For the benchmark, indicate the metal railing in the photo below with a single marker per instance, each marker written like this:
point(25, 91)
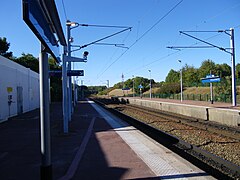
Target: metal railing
point(227, 98)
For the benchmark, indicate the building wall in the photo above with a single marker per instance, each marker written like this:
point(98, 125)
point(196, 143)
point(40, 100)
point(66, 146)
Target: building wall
point(20, 85)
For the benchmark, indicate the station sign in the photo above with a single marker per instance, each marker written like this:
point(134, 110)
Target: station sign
point(140, 86)
point(58, 73)
point(75, 73)
point(211, 78)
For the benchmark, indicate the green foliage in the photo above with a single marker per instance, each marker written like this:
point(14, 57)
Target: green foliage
point(172, 77)
point(128, 83)
point(96, 89)
point(223, 87)
point(223, 70)
point(238, 70)
point(206, 67)
point(105, 91)
point(55, 81)
point(4, 46)
point(28, 61)
point(118, 85)
point(158, 84)
point(190, 75)
point(170, 88)
point(141, 81)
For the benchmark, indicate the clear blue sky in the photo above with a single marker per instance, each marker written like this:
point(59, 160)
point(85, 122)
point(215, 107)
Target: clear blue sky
point(149, 52)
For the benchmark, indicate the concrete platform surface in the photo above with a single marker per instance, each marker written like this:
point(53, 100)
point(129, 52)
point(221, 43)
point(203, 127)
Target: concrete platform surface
point(98, 146)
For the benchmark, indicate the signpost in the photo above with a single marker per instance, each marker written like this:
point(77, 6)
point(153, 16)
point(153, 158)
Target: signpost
point(42, 18)
point(210, 79)
point(140, 87)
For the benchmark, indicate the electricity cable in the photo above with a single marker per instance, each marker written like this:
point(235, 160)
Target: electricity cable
point(144, 34)
point(64, 10)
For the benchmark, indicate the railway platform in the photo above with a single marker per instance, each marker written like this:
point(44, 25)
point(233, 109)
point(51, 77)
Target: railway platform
point(222, 105)
point(98, 146)
point(218, 112)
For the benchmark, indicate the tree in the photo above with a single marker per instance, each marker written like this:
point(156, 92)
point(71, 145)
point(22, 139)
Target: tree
point(206, 67)
point(238, 70)
point(118, 85)
point(190, 75)
point(28, 61)
point(4, 46)
point(170, 88)
point(172, 77)
point(55, 81)
point(223, 70)
point(223, 88)
point(141, 81)
point(128, 83)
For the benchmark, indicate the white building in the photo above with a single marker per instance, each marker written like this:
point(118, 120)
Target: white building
point(19, 89)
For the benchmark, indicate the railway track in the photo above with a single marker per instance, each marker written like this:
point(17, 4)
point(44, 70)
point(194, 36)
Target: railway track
point(211, 143)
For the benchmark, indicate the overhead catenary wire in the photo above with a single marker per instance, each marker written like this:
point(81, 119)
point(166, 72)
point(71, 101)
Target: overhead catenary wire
point(143, 35)
point(210, 44)
point(94, 42)
point(64, 10)
point(166, 56)
point(180, 50)
point(123, 41)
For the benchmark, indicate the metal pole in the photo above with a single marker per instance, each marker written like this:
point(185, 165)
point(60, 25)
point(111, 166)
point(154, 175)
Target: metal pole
point(234, 101)
point(65, 95)
point(181, 81)
point(69, 68)
point(82, 88)
point(211, 91)
point(150, 85)
point(133, 86)
point(46, 166)
point(181, 87)
point(74, 89)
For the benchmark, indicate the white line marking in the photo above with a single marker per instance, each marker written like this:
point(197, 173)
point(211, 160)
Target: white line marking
point(74, 165)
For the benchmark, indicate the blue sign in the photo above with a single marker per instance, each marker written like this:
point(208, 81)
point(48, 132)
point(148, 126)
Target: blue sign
point(140, 86)
point(69, 73)
point(211, 78)
point(35, 18)
point(126, 88)
point(75, 73)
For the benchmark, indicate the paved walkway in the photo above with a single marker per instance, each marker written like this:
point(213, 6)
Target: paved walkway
point(20, 148)
point(97, 147)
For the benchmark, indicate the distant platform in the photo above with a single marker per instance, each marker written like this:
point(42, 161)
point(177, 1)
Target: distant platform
point(223, 113)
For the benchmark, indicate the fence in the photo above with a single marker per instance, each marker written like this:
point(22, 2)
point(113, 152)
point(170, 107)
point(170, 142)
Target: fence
point(227, 98)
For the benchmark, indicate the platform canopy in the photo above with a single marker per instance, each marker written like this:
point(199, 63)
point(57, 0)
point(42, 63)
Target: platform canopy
point(42, 18)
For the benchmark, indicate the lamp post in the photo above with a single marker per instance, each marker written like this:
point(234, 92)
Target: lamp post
point(70, 25)
point(181, 81)
point(150, 84)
